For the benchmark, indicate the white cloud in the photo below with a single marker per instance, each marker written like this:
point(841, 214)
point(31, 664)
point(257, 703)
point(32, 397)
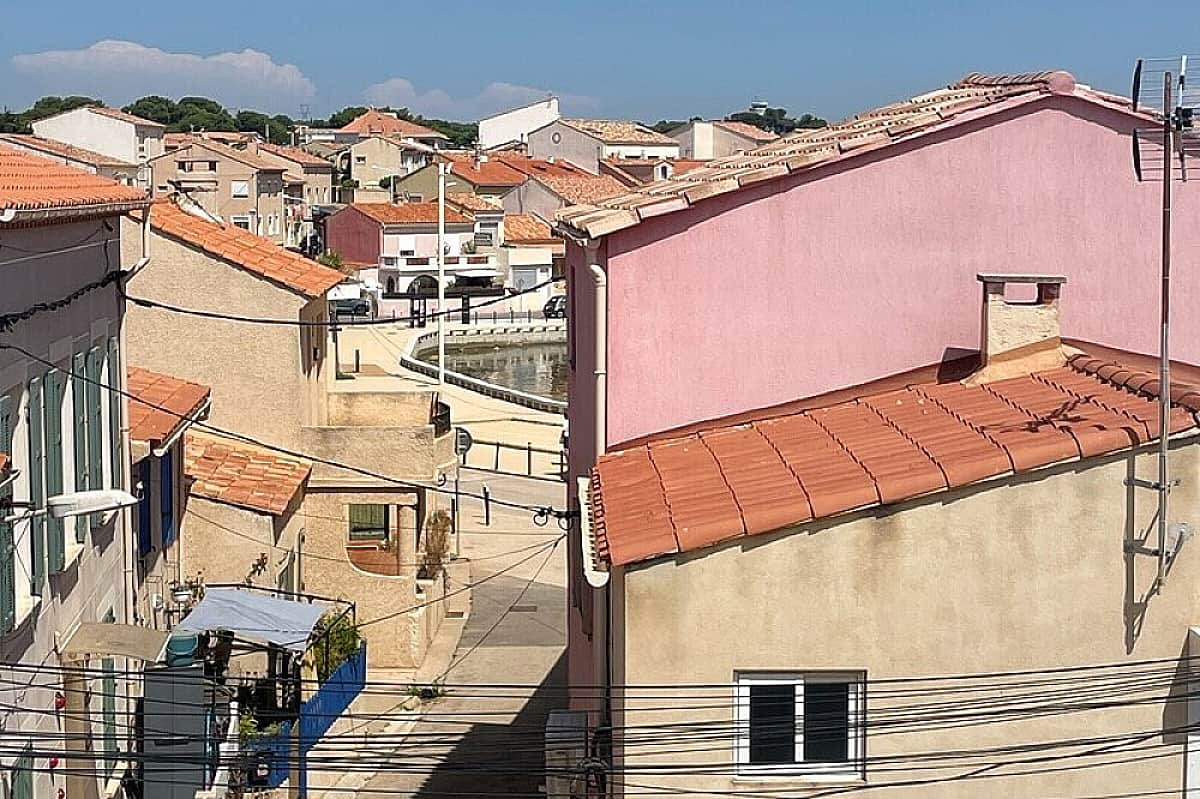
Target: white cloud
point(119, 71)
point(496, 96)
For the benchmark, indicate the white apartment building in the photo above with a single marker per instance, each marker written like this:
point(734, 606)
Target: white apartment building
point(108, 131)
point(515, 125)
point(62, 432)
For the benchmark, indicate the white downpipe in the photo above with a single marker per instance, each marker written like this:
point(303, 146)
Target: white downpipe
point(601, 369)
point(441, 256)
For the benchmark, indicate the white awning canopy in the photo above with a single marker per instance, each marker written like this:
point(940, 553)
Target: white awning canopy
point(255, 617)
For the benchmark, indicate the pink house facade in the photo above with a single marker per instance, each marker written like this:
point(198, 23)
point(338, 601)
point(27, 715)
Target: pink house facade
point(835, 259)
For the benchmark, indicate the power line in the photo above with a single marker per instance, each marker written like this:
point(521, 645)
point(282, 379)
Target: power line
point(542, 514)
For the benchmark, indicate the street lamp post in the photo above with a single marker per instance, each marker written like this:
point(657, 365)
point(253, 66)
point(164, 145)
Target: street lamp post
point(441, 263)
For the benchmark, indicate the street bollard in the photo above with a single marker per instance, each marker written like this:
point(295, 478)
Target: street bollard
point(487, 506)
point(529, 458)
point(357, 361)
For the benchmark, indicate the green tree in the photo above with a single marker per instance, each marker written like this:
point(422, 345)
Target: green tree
point(257, 122)
point(201, 113)
point(777, 121)
point(667, 125)
point(345, 116)
point(155, 108)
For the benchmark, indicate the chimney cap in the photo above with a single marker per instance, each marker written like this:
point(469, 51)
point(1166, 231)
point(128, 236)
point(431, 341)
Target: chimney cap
point(1039, 279)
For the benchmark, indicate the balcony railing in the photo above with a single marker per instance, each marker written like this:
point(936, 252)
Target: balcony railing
point(422, 263)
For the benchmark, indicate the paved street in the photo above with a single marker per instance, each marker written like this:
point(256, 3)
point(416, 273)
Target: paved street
point(480, 741)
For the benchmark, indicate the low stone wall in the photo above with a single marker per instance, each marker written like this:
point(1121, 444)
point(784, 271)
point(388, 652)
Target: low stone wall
point(528, 333)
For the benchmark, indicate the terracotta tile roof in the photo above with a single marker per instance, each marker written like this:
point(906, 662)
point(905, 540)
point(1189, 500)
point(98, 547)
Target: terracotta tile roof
point(747, 130)
point(681, 165)
point(246, 251)
point(166, 403)
point(696, 490)
point(585, 188)
point(527, 229)
point(465, 200)
point(802, 150)
point(229, 471)
point(491, 172)
point(379, 122)
point(28, 182)
point(539, 166)
point(242, 156)
point(614, 132)
point(296, 155)
point(408, 213)
point(117, 113)
point(62, 149)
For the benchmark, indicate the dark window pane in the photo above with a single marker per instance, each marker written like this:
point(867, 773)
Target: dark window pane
point(826, 722)
point(772, 724)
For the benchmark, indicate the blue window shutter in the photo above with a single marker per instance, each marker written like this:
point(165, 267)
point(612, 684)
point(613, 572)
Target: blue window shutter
point(8, 575)
point(79, 435)
point(145, 539)
point(95, 420)
point(37, 488)
point(166, 497)
point(54, 388)
point(116, 413)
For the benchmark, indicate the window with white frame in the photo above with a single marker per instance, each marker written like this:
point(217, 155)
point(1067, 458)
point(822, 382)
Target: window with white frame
point(239, 188)
point(241, 221)
point(802, 724)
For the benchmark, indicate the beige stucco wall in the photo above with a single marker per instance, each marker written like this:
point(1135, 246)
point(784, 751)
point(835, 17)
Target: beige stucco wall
point(214, 189)
point(1020, 573)
point(225, 543)
point(256, 367)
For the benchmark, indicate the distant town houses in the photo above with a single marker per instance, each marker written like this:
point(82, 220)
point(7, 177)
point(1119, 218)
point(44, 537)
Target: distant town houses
point(587, 142)
point(110, 132)
point(718, 138)
point(511, 128)
point(376, 123)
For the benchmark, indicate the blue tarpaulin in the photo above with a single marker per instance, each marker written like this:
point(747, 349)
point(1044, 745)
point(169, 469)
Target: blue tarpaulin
point(254, 617)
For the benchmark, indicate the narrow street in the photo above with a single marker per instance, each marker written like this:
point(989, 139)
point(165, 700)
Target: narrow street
point(480, 739)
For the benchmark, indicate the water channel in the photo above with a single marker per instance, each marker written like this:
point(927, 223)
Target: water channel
point(539, 369)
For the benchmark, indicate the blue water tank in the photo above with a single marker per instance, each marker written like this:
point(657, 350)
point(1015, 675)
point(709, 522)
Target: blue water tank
point(181, 649)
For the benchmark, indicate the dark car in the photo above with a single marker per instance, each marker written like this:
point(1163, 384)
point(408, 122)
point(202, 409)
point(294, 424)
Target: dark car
point(555, 307)
point(350, 306)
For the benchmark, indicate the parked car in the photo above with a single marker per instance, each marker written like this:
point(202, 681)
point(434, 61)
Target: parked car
point(555, 307)
point(349, 306)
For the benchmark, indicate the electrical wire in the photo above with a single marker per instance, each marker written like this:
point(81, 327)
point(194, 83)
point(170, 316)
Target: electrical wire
point(541, 513)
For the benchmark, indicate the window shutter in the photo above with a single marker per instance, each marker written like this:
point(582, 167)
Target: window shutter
point(79, 435)
point(145, 541)
point(54, 388)
point(22, 776)
point(166, 497)
point(8, 577)
point(116, 408)
point(95, 423)
point(108, 686)
point(37, 488)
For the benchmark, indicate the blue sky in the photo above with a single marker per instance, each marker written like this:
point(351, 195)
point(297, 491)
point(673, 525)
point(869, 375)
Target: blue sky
point(644, 60)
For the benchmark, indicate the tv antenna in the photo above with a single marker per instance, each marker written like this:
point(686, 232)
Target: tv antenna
point(1161, 92)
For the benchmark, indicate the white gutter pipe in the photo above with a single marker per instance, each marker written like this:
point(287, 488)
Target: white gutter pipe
point(601, 370)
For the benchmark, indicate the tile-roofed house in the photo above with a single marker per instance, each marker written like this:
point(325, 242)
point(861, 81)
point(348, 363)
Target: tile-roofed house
point(527, 229)
point(379, 122)
point(425, 213)
point(30, 183)
point(747, 130)
point(70, 155)
point(587, 142)
point(810, 149)
point(618, 132)
point(124, 116)
point(245, 250)
point(296, 155)
point(161, 405)
point(583, 188)
point(489, 172)
point(467, 201)
point(232, 472)
point(878, 449)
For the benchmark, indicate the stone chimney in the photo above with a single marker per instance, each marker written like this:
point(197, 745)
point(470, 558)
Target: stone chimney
point(1019, 336)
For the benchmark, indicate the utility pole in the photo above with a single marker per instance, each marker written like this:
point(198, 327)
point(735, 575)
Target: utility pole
point(1164, 361)
point(441, 278)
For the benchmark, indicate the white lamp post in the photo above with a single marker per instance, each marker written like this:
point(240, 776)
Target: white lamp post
point(443, 167)
point(76, 503)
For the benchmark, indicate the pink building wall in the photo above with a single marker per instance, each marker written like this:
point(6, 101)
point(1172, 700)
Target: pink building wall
point(867, 268)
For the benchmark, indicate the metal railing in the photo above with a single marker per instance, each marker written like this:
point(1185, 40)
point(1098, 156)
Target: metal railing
point(539, 463)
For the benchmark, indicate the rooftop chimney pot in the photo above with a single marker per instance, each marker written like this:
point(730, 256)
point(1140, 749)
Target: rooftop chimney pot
point(1013, 329)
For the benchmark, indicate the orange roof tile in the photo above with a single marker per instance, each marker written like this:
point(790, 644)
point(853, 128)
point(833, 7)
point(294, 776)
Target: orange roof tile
point(246, 251)
point(472, 202)
point(491, 172)
point(695, 490)
point(161, 404)
point(28, 182)
point(618, 132)
point(585, 188)
point(296, 155)
point(212, 145)
point(408, 213)
point(803, 150)
point(527, 229)
point(232, 472)
point(747, 130)
point(374, 121)
point(62, 149)
point(539, 166)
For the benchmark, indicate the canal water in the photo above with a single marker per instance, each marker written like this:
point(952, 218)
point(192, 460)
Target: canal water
point(539, 369)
